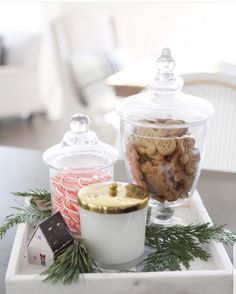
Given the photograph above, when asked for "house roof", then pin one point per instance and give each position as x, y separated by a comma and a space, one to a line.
56, 232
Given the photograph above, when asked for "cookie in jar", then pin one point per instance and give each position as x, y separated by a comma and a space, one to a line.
163, 160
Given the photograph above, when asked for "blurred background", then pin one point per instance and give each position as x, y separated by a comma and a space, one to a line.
57, 59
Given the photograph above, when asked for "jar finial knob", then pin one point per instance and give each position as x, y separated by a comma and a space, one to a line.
166, 63
165, 79
113, 189
79, 123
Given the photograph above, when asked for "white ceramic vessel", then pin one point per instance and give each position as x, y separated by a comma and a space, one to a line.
113, 219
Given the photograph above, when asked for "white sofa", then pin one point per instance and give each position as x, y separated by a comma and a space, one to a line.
19, 80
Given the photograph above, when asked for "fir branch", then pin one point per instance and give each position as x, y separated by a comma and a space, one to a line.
25, 214
68, 266
203, 232
39, 198
179, 245
36, 193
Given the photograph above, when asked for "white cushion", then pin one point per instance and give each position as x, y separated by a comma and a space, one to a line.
90, 71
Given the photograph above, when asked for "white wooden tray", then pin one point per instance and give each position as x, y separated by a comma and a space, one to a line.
212, 277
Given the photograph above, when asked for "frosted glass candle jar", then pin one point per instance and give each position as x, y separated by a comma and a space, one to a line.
113, 220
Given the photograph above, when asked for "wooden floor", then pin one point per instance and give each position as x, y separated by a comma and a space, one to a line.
217, 189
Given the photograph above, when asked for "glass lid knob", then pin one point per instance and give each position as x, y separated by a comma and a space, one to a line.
79, 131
165, 79
166, 65
79, 123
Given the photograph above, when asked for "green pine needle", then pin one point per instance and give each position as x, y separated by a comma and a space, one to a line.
179, 245
37, 193
68, 266
25, 214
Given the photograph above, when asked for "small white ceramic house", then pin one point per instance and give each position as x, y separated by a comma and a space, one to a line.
51, 237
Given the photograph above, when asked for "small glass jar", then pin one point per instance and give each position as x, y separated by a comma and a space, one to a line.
113, 220
79, 160
164, 136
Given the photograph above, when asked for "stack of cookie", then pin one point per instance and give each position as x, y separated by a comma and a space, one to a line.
163, 161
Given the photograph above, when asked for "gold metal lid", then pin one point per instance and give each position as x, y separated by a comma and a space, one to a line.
112, 198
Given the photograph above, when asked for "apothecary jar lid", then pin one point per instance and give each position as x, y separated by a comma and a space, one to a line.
80, 149
165, 100
112, 198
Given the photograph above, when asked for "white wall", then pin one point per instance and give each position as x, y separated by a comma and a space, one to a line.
23, 16
194, 31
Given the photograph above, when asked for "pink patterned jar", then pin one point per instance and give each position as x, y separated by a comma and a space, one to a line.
78, 161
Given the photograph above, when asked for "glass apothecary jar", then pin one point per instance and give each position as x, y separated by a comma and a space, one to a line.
164, 136
80, 159
113, 221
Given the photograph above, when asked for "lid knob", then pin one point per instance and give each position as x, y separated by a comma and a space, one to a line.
165, 79
79, 123
113, 189
165, 63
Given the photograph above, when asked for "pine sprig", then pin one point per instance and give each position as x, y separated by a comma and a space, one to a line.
179, 245
68, 266
25, 214
37, 193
